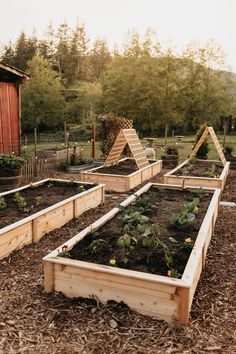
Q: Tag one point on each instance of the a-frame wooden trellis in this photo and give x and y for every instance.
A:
(209, 130)
(130, 137)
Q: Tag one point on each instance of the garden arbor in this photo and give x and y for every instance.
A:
(209, 130)
(130, 137)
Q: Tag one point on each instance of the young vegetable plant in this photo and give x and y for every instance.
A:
(135, 221)
(144, 203)
(3, 203)
(127, 243)
(211, 172)
(188, 243)
(187, 169)
(173, 273)
(39, 200)
(64, 253)
(199, 193)
(186, 216)
(80, 189)
(97, 245)
(154, 242)
(20, 201)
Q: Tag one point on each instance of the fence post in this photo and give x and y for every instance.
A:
(65, 134)
(35, 152)
(94, 142)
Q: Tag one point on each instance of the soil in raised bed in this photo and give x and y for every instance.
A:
(159, 208)
(35, 322)
(46, 194)
(201, 169)
(124, 168)
(229, 192)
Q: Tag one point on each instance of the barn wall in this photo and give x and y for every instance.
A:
(9, 118)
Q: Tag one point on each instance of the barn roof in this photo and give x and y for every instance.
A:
(10, 74)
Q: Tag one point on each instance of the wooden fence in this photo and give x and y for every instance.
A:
(34, 167)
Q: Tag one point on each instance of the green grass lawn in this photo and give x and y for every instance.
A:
(28, 151)
(184, 147)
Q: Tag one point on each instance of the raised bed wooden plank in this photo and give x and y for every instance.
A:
(150, 294)
(208, 182)
(122, 183)
(33, 228)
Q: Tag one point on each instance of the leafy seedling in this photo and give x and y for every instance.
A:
(3, 203)
(97, 245)
(188, 243)
(80, 189)
(64, 254)
(20, 201)
(182, 219)
(199, 193)
(39, 200)
(173, 273)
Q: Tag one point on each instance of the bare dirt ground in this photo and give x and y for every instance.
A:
(34, 322)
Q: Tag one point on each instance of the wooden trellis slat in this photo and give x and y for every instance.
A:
(209, 130)
(130, 137)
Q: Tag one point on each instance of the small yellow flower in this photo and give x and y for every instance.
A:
(169, 273)
(112, 262)
(188, 240)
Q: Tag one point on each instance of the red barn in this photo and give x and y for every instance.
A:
(10, 80)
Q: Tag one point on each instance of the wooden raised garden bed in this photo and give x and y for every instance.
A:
(41, 207)
(124, 176)
(157, 277)
(201, 173)
(57, 153)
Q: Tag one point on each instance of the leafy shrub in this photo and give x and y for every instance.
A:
(172, 150)
(74, 159)
(204, 148)
(11, 162)
(228, 150)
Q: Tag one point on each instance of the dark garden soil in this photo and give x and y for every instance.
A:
(34, 322)
(158, 205)
(123, 168)
(201, 169)
(37, 198)
(229, 192)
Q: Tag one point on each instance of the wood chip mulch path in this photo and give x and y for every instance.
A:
(34, 322)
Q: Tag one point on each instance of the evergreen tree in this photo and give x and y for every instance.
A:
(99, 59)
(43, 104)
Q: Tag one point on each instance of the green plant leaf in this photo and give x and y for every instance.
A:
(172, 239)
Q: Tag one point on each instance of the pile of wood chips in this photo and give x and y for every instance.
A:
(34, 322)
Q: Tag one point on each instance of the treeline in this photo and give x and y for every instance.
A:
(73, 80)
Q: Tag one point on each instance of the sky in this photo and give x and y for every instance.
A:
(178, 20)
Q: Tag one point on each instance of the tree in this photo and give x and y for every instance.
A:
(169, 75)
(62, 48)
(142, 84)
(84, 99)
(43, 104)
(8, 54)
(99, 59)
(25, 50)
(78, 56)
(205, 93)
